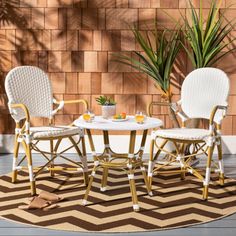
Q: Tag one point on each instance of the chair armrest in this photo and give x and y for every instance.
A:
(62, 103)
(213, 113)
(21, 106)
(151, 104)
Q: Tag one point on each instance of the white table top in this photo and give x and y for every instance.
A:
(100, 123)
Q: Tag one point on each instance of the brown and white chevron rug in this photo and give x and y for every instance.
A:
(175, 203)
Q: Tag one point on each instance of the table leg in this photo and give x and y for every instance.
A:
(108, 155)
(142, 167)
(96, 165)
(131, 171)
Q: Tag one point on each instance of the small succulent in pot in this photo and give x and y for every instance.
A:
(108, 106)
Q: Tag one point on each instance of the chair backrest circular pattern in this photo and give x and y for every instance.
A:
(31, 86)
(202, 90)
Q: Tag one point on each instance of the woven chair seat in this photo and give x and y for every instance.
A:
(54, 131)
(183, 134)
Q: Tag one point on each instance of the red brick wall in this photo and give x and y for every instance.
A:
(73, 40)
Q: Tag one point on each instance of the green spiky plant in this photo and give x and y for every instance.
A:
(206, 40)
(159, 52)
(105, 101)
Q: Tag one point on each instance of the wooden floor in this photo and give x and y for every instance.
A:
(226, 226)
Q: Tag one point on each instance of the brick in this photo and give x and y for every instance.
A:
(135, 83)
(139, 3)
(101, 19)
(155, 3)
(61, 3)
(71, 108)
(151, 87)
(165, 21)
(58, 82)
(3, 104)
(71, 83)
(232, 105)
(97, 110)
(101, 3)
(196, 4)
(54, 61)
(84, 85)
(66, 61)
(142, 102)
(74, 18)
(120, 18)
(227, 63)
(58, 39)
(147, 19)
(43, 60)
(46, 39)
(126, 103)
(86, 40)
(112, 83)
(63, 119)
(127, 40)
(169, 3)
(81, 106)
(37, 121)
(51, 18)
(8, 124)
(96, 83)
(7, 39)
(116, 66)
(233, 84)
(156, 109)
(80, 4)
(77, 61)
(41, 3)
(102, 65)
(97, 40)
(72, 40)
(89, 18)
(90, 61)
(62, 19)
(122, 3)
(227, 125)
(111, 40)
(38, 18)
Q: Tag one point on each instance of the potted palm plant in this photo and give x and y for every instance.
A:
(108, 106)
(159, 51)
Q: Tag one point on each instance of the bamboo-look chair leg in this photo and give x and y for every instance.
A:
(107, 152)
(30, 167)
(81, 158)
(52, 173)
(220, 159)
(152, 160)
(93, 173)
(182, 175)
(208, 172)
(15, 157)
(133, 189)
(142, 167)
(131, 171)
(84, 161)
(104, 179)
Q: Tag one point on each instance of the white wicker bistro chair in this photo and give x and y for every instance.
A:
(30, 95)
(203, 96)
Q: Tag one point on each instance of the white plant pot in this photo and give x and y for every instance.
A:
(108, 111)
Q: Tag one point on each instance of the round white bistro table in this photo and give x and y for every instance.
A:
(109, 159)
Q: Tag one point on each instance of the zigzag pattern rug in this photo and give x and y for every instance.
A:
(175, 203)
